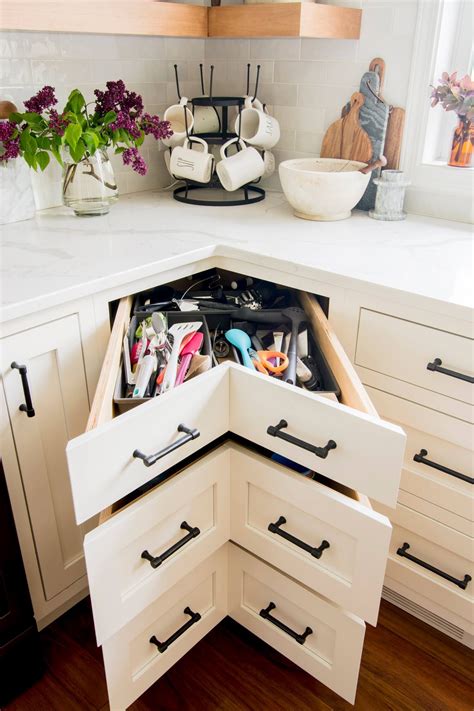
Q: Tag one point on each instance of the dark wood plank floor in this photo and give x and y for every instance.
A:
(406, 666)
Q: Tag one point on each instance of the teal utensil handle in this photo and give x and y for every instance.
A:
(247, 359)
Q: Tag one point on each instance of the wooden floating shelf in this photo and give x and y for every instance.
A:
(303, 19)
(122, 17)
(166, 19)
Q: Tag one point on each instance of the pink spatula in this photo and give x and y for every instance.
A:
(192, 347)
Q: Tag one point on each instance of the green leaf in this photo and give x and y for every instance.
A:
(72, 135)
(75, 101)
(139, 141)
(77, 153)
(16, 117)
(43, 142)
(27, 142)
(109, 117)
(91, 139)
(56, 153)
(32, 117)
(119, 150)
(31, 160)
(43, 159)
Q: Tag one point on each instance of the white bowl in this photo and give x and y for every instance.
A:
(323, 188)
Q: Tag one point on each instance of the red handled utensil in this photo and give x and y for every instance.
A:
(191, 348)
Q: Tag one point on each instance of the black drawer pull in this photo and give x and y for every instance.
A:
(322, 452)
(28, 407)
(156, 561)
(150, 459)
(420, 457)
(300, 638)
(460, 583)
(315, 552)
(163, 646)
(436, 366)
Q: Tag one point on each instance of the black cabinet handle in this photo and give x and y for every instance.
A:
(163, 646)
(435, 365)
(300, 638)
(150, 459)
(156, 561)
(28, 406)
(315, 552)
(460, 583)
(322, 452)
(420, 457)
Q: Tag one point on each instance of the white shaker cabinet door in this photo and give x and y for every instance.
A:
(52, 354)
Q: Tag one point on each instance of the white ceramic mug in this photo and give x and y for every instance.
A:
(206, 119)
(241, 168)
(269, 164)
(257, 127)
(192, 164)
(176, 116)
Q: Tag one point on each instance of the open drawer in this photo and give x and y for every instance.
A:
(345, 441)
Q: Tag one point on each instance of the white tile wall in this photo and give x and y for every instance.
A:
(304, 82)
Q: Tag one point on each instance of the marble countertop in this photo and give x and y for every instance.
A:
(57, 257)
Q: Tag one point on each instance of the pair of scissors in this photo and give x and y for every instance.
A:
(265, 361)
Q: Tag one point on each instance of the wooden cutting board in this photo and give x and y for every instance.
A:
(393, 139)
(345, 138)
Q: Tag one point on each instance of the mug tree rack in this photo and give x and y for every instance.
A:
(250, 193)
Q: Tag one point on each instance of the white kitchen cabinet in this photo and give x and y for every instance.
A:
(52, 354)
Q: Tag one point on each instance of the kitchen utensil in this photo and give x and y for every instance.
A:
(393, 137)
(297, 316)
(187, 353)
(380, 163)
(278, 343)
(178, 331)
(345, 138)
(390, 196)
(199, 364)
(242, 342)
(317, 192)
(145, 370)
(160, 327)
(266, 359)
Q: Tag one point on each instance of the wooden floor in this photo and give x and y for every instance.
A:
(406, 666)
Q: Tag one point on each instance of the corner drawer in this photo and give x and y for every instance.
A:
(368, 454)
(409, 351)
(122, 582)
(334, 544)
(319, 637)
(448, 580)
(181, 616)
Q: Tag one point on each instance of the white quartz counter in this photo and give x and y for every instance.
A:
(57, 257)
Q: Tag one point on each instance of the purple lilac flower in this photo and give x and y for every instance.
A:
(44, 99)
(152, 125)
(57, 123)
(118, 98)
(132, 157)
(10, 141)
(124, 121)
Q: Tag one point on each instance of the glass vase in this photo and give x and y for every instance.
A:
(89, 186)
(463, 139)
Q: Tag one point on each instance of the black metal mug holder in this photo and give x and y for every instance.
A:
(252, 193)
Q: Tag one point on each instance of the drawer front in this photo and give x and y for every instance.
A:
(403, 350)
(447, 553)
(350, 571)
(276, 609)
(122, 583)
(368, 455)
(102, 465)
(440, 472)
(133, 663)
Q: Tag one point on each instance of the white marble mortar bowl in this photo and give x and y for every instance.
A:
(323, 188)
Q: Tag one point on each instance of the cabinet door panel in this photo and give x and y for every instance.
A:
(52, 354)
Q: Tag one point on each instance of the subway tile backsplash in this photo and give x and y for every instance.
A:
(304, 82)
